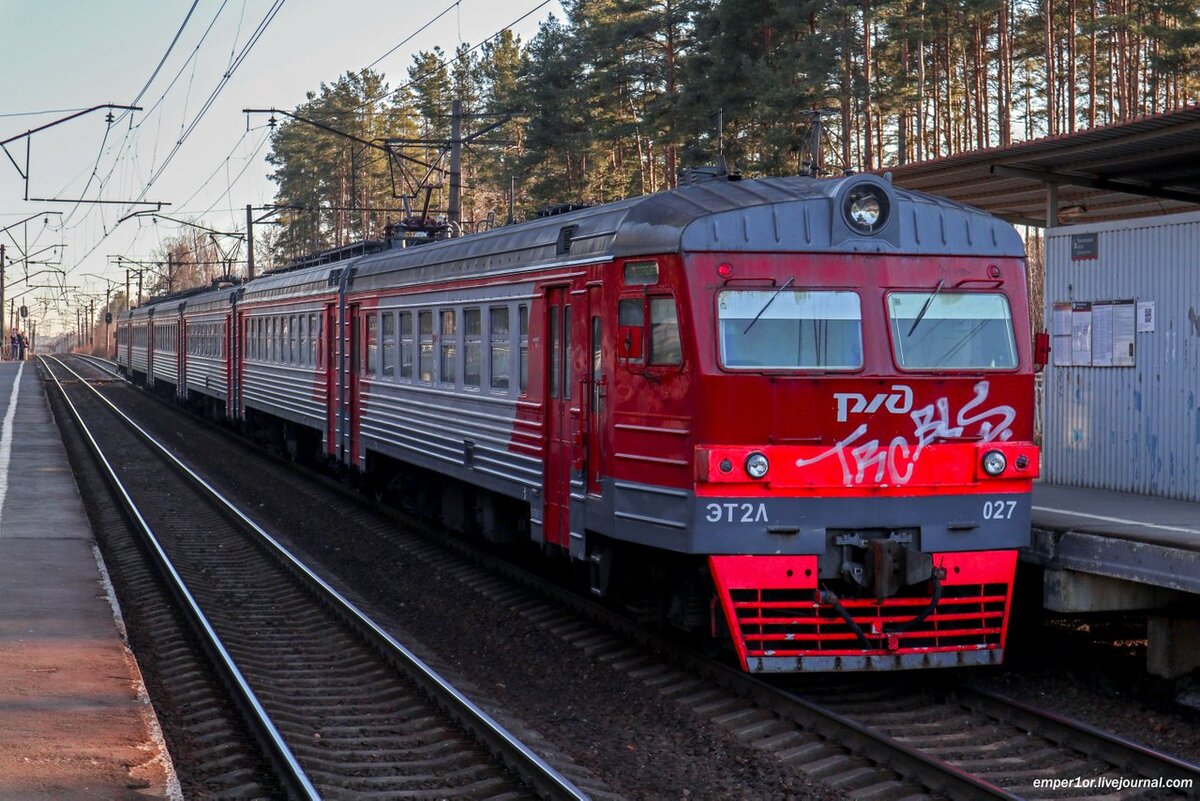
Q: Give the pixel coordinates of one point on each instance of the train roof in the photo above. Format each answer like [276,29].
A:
[794,214]
[204,299]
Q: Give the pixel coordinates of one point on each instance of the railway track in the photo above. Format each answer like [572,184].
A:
[869,737]
[339,706]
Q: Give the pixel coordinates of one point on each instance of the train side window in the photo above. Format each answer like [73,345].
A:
[372,345]
[631,319]
[388,354]
[425,363]
[406,346]
[302,339]
[665,347]
[472,347]
[555,354]
[523,345]
[273,336]
[448,373]
[315,333]
[500,346]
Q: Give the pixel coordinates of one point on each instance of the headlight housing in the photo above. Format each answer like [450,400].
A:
[757,465]
[866,208]
[994,463]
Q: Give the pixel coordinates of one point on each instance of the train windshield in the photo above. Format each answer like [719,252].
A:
[952,330]
[790,329]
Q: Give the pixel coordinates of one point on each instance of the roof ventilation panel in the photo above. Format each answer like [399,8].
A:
[565,235]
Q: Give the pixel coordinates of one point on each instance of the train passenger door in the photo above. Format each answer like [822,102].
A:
[151,330]
[352,369]
[181,359]
[181,337]
[595,390]
[327,359]
[557,388]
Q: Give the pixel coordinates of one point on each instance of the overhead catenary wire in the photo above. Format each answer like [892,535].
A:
[450,60]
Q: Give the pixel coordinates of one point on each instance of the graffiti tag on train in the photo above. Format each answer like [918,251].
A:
[868,460]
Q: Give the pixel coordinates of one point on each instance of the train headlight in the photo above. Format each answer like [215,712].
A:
[757,465]
[866,208]
[994,463]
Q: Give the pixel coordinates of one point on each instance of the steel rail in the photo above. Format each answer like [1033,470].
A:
[1094,742]
[100,363]
[518,757]
[288,769]
[911,763]
[906,760]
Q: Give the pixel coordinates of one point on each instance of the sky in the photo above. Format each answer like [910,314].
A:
[205,158]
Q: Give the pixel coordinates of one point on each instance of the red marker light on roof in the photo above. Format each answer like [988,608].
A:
[993,271]
[725,270]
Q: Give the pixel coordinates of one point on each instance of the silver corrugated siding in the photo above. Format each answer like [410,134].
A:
[1130,429]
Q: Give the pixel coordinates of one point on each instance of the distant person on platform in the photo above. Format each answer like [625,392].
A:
[16,344]
[24,345]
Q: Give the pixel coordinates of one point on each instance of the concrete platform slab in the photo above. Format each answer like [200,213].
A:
[1134,538]
[1144,518]
[74,719]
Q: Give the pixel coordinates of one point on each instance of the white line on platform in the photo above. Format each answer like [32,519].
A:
[1121,520]
[6,435]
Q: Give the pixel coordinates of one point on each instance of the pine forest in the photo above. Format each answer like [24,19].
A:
[619,96]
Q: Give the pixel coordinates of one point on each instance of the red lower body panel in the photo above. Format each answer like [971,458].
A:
[782,622]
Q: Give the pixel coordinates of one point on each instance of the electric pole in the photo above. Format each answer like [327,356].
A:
[127,303]
[454,211]
[3,338]
[249,242]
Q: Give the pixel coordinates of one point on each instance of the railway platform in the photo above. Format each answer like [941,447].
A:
[1108,551]
[74,720]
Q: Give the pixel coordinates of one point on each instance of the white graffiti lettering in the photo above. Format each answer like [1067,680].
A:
[869,461]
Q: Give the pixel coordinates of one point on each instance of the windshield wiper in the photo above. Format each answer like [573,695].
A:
[925,308]
[770,300]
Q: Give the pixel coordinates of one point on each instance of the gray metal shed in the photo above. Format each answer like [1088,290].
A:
[1120,405]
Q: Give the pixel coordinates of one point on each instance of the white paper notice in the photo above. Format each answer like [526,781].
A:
[1102,335]
[1081,334]
[1145,316]
[1061,324]
[1123,334]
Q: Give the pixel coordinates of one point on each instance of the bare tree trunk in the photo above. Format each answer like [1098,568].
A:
[1092,69]
[921,86]
[902,116]
[1051,78]
[1004,77]
[948,105]
[847,98]
[868,126]
[671,157]
[1071,84]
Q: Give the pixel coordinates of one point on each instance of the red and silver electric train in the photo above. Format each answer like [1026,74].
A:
[796,412]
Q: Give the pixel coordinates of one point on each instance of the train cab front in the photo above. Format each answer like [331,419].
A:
[864,467]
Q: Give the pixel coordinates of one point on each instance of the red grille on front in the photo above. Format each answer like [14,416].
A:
[792,623]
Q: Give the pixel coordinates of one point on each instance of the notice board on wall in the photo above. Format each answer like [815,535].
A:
[1094,334]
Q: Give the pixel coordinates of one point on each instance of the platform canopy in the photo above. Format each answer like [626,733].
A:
[1133,169]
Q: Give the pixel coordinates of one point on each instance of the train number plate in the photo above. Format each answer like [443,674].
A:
[735,513]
